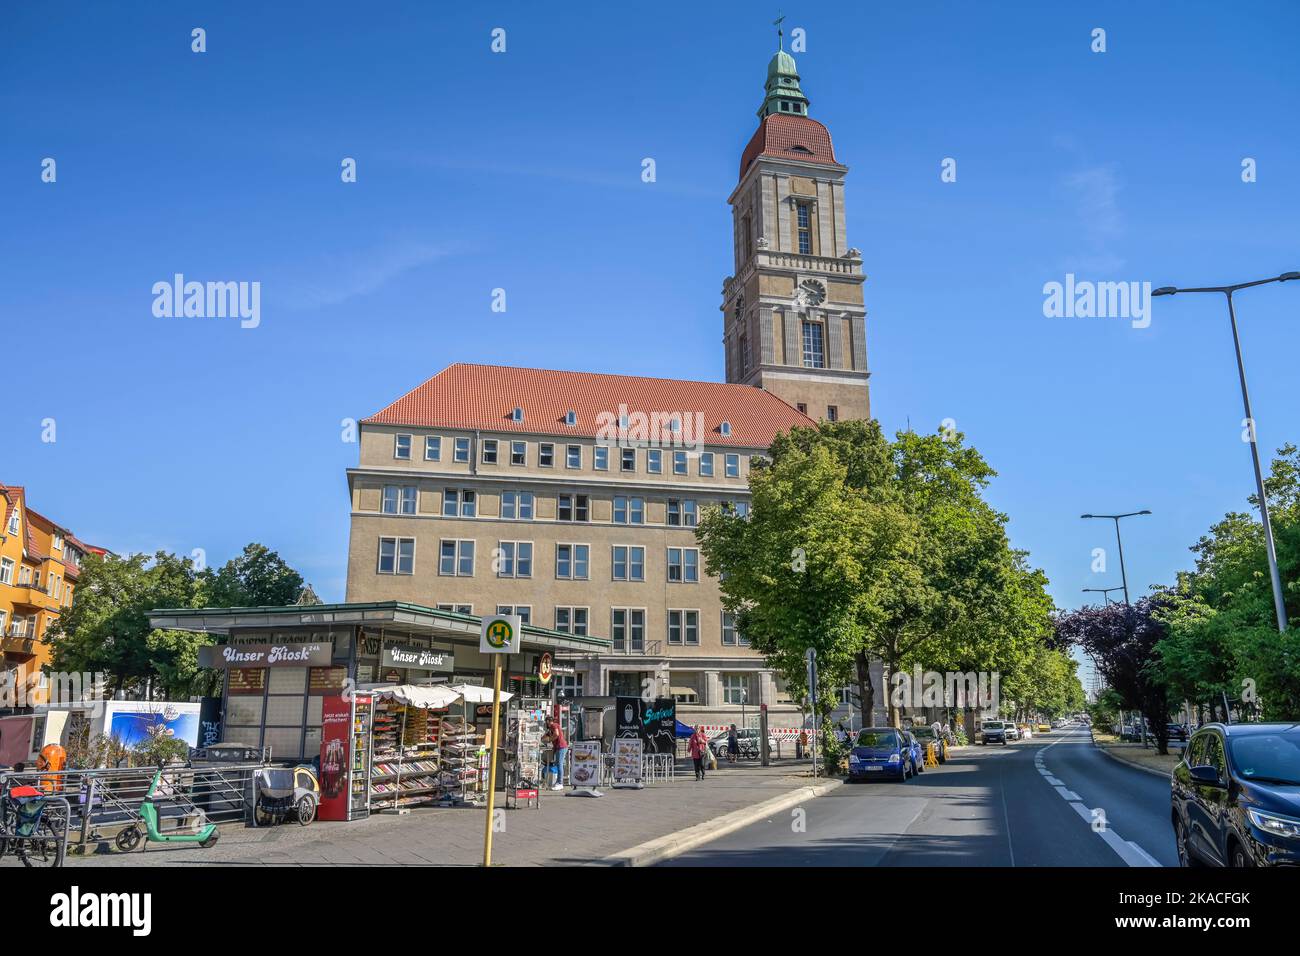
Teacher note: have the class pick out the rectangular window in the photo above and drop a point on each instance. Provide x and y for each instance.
(629, 510)
(733, 466)
(514, 559)
(679, 463)
(832, 413)
(402, 447)
(571, 620)
(456, 558)
(457, 608)
(546, 455)
(628, 562)
(654, 461)
(803, 408)
(628, 629)
(6, 571)
(461, 451)
(572, 508)
(706, 464)
(525, 611)
(489, 451)
(629, 459)
(813, 354)
(573, 456)
(453, 500)
(600, 458)
(399, 500)
(396, 555)
(683, 627)
(519, 453)
(572, 561)
(805, 230)
(683, 565)
(432, 448)
(728, 628)
(735, 689)
(517, 505)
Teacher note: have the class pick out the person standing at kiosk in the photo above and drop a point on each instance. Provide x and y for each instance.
(560, 747)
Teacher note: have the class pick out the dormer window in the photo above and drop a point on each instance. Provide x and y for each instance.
(517, 415)
(725, 429)
(622, 421)
(570, 418)
(13, 522)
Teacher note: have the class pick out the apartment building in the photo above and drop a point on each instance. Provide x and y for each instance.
(40, 562)
(572, 498)
(507, 490)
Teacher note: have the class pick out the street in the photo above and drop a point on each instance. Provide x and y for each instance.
(1030, 803)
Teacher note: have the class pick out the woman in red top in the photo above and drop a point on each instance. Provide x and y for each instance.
(560, 745)
(698, 747)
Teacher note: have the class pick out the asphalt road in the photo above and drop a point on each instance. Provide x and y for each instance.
(1036, 802)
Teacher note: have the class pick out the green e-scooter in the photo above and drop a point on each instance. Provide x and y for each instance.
(146, 829)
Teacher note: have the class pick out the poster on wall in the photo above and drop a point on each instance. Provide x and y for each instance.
(654, 723)
(335, 737)
(136, 721)
(627, 762)
(16, 739)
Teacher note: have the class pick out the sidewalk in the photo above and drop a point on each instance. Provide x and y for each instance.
(564, 831)
(1135, 755)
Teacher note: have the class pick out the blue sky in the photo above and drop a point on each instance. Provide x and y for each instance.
(522, 171)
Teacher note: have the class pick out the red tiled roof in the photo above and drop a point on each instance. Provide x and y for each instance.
(789, 137)
(470, 397)
(11, 495)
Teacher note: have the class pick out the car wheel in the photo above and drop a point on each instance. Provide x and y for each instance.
(1180, 840)
(1239, 858)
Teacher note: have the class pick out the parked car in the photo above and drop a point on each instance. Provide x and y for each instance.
(747, 738)
(882, 752)
(1235, 796)
(1178, 732)
(918, 752)
(1044, 728)
(1013, 731)
(928, 735)
(993, 732)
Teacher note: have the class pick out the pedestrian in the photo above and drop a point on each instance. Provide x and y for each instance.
(801, 745)
(560, 747)
(733, 745)
(698, 746)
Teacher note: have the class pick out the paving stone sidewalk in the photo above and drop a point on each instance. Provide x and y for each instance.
(564, 831)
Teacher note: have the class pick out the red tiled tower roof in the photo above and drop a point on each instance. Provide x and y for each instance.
(789, 137)
(469, 397)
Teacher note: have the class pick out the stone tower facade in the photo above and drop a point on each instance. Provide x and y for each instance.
(794, 322)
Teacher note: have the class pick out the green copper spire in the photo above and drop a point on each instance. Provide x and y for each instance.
(783, 93)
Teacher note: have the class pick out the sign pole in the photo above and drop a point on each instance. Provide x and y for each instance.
(492, 762)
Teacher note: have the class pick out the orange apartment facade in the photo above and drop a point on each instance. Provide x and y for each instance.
(40, 563)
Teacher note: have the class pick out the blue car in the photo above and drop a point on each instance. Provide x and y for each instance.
(884, 752)
(1236, 796)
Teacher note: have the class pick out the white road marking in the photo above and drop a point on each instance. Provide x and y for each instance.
(1127, 850)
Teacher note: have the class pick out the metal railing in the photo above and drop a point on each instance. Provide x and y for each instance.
(104, 801)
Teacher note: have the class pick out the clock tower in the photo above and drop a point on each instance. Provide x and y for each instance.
(794, 322)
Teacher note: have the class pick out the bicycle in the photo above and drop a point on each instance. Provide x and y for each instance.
(28, 819)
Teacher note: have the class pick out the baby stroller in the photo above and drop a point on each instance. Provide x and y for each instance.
(283, 792)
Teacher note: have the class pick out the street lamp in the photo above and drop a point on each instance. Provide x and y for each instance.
(1105, 591)
(1123, 576)
(1278, 604)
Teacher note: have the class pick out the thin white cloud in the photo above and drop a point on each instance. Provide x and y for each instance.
(1094, 193)
(338, 278)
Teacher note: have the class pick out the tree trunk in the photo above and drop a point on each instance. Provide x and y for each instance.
(866, 690)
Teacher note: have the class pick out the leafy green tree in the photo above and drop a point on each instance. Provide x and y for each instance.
(863, 549)
(256, 578)
(1222, 638)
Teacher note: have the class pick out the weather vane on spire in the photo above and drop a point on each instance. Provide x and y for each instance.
(780, 34)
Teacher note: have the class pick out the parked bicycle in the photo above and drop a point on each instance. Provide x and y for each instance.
(33, 825)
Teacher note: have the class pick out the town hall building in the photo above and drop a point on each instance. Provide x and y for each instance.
(572, 498)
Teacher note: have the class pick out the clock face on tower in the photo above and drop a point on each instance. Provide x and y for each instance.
(813, 292)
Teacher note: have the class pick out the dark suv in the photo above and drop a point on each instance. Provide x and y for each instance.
(1236, 796)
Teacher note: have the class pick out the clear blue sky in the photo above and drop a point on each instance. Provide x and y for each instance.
(522, 171)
